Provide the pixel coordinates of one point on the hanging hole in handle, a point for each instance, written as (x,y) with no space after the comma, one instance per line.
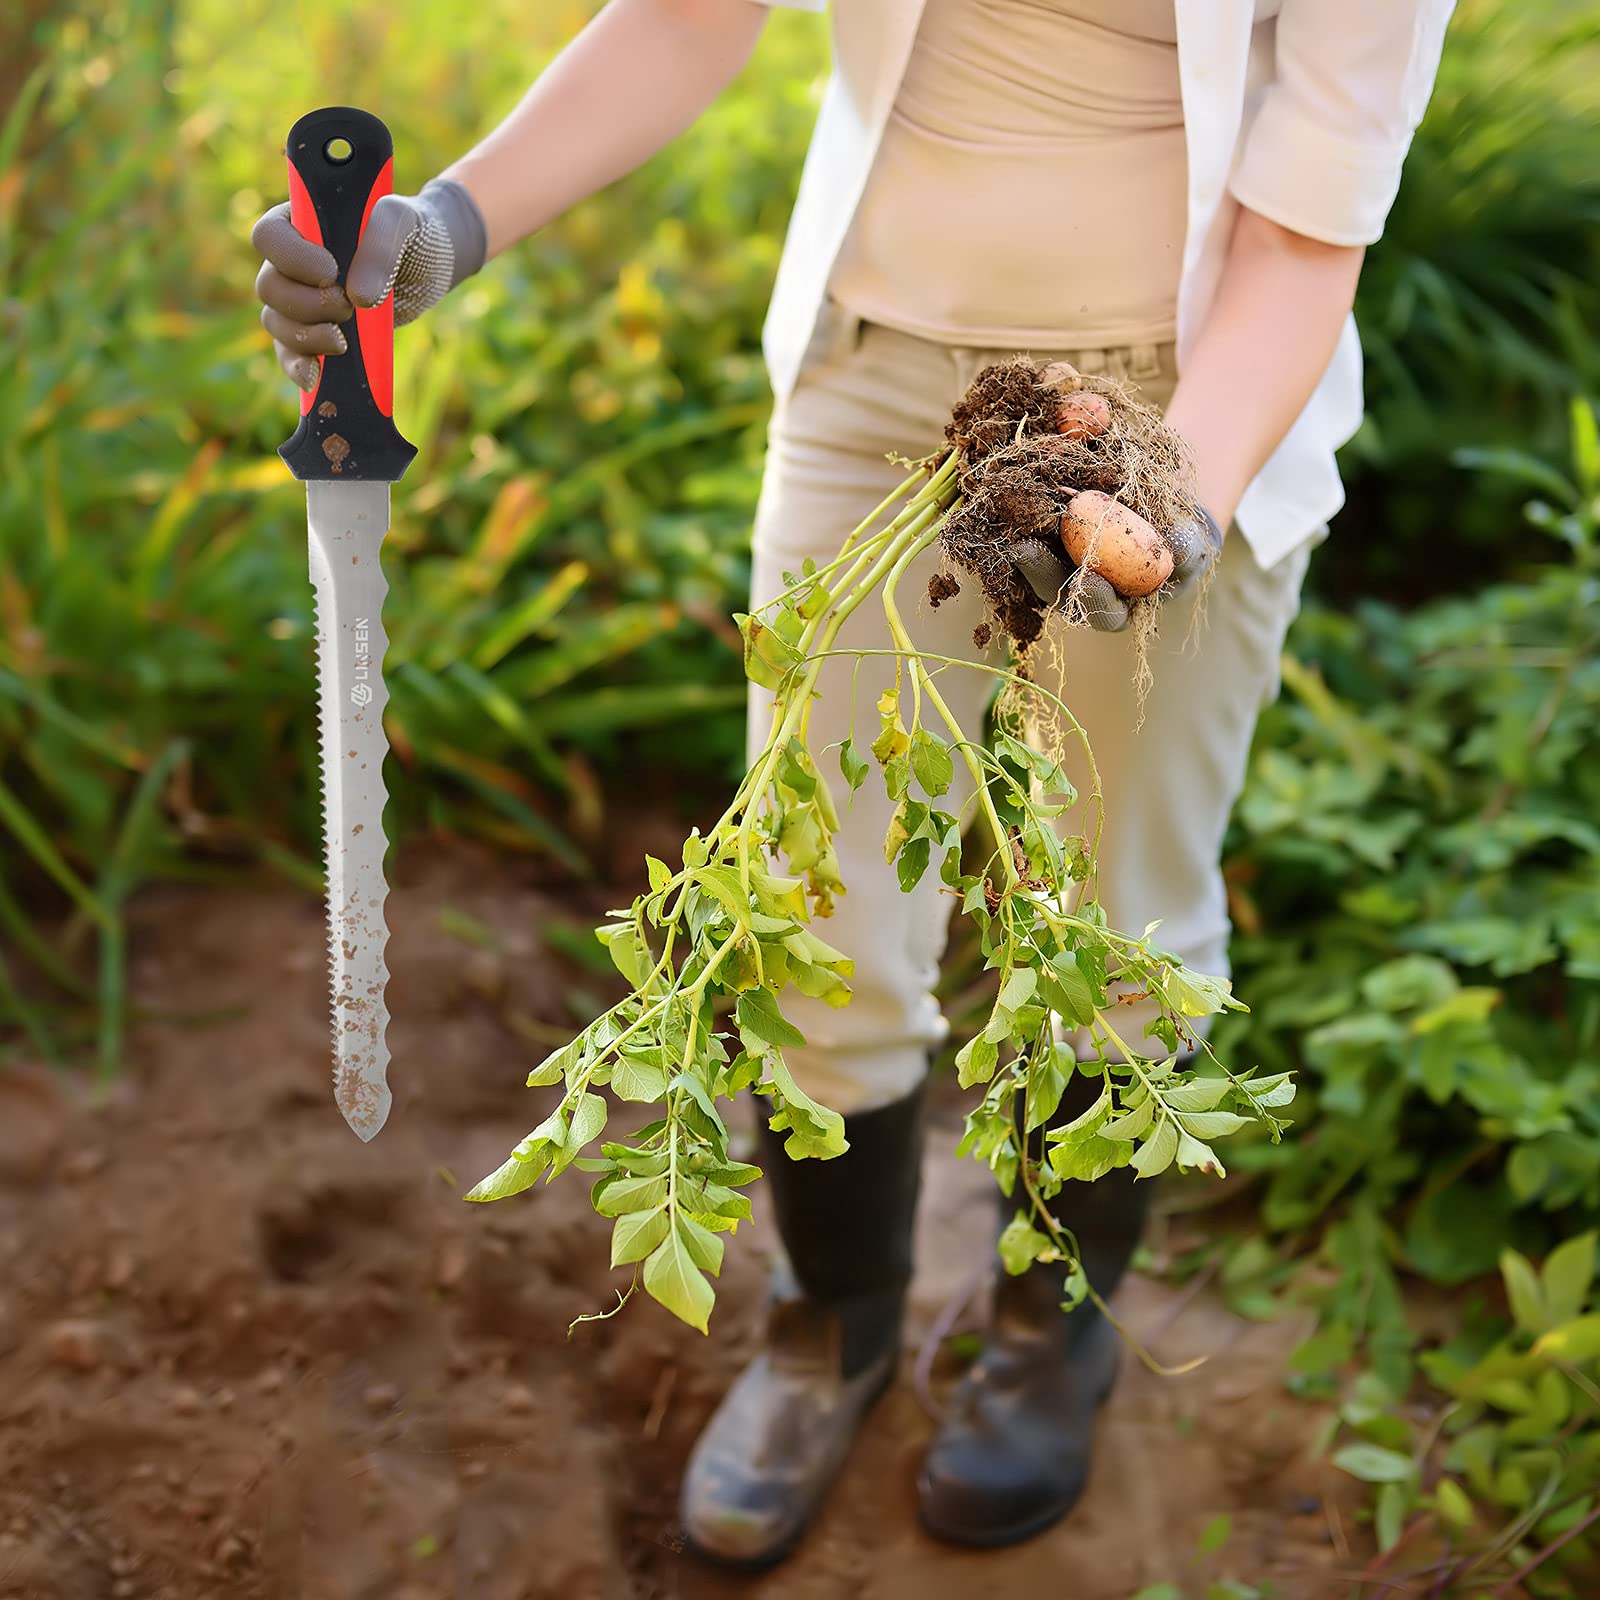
(338,151)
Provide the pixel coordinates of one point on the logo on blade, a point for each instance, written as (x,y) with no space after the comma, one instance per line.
(361,690)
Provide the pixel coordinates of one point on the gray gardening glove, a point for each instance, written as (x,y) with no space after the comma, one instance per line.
(1194,547)
(421,246)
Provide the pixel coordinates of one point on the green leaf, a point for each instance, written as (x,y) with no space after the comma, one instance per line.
(722,884)
(1394,1500)
(623,1196)
(557,1064)
(660,874)
(853,765)
(1021,1244)
(1086,1157)
(911,864)
(1573,1343)
(779,896)
(1568,1276)
(588,1121)
(636,1234)
(1214,1124)
(1156,1153)
(1197,994)
(931,762)
(510,1177)
(762,1024)
(814,1130)
(1214,1535)
(627,950)
(1272,1092)
(672,1278)
(1524,1292)
(1372,1463)
(1201,1095)
(1068,990)
(636,1076)
(794,768)
(1453,1503)
(1036,762)
(1131,1124)
(1046,1084)
(703,1246)
(1586,444)
(976,1061)
(1018,989)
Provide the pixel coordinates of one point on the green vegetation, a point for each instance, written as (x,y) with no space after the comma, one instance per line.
(726,926)
(1416,880)
(565,548)
(1416,866)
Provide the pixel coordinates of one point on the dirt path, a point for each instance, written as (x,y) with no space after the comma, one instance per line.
(243,1355)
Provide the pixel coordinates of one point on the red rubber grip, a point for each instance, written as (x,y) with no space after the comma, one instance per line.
(377,324)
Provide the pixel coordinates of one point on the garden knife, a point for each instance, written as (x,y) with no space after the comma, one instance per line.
(348,451)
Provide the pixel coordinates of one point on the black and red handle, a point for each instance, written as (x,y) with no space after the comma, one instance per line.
(341,162)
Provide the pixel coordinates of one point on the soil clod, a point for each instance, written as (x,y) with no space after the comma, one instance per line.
(1032,438)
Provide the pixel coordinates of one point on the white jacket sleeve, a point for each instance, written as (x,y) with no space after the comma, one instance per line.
(1324,153)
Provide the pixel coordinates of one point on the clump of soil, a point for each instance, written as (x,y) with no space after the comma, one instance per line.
(1019,471)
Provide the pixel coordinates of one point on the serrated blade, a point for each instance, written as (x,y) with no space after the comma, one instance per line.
(346,523)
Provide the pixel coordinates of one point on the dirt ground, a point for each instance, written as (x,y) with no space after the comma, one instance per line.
(244,1355)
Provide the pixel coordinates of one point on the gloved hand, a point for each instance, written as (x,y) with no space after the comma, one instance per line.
(420,246)
(1194,547)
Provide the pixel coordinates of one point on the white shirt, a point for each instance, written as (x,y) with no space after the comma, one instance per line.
(1302,110)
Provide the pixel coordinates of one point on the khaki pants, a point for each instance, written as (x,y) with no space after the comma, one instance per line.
(866,391)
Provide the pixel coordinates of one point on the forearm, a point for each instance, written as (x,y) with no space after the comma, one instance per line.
(1271,332)
(629,84)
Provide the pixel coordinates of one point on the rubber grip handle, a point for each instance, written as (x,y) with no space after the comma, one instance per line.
(341,163)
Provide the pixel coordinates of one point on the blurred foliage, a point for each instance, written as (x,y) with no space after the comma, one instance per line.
(1478,308)
(1415,883)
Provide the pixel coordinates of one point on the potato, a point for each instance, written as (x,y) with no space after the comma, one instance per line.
(1060,375)
(1083,416)
(1128,553)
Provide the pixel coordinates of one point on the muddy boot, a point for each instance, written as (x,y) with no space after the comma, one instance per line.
(775,1444)
(1012,1453)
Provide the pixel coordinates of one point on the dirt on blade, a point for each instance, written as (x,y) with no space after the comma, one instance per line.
(244,1355)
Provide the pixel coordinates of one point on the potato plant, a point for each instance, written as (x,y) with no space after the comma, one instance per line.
(718,938)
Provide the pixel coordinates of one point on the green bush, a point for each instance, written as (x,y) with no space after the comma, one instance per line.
(1479,306)
(1415,876)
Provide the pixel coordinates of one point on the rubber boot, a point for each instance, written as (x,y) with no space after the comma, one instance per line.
(774,1446)
(1012,1453)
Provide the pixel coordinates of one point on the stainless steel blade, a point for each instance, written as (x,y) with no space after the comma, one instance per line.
(347,522)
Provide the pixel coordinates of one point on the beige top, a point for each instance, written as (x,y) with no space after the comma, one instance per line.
(1031,185)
